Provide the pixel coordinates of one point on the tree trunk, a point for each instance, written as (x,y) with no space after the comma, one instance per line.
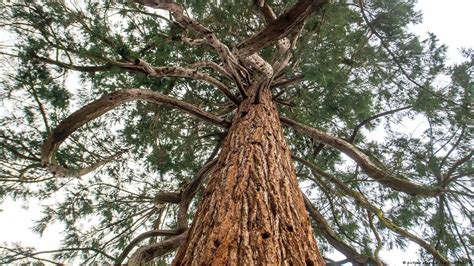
(252,211)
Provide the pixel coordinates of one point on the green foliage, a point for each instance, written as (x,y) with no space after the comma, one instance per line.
(350,75)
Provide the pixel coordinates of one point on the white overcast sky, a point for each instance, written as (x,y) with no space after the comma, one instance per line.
(451,21)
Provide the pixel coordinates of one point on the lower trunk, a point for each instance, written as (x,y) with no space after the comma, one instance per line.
(252,211)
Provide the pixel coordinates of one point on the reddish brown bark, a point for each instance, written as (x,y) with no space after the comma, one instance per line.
(252,211)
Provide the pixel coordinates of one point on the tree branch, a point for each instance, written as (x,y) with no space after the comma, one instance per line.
(458,233)
(377,237)
(212,65)
(456,144)
(369,167)
(141,237)
(167,197)
(332,237)
(288,82)
(57,251)
(144,67)
(280,27)
(366,121)
(360,200)
(147,253)
(282,44)
(90,69)
(230,61)
(449,177)
(109,102)
(60,171)
(394,57)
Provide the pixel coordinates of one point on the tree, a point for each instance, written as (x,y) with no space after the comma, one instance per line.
(130,119)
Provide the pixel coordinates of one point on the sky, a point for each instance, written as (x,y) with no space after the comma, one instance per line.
(451,21)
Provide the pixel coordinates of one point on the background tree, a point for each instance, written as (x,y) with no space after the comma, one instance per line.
(129,174)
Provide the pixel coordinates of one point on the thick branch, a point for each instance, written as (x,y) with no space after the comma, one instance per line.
(167,197)
(360,200)
(332,237)
(142,66)
(109,102)
(270,16)
(140,238)
(147,253)
(280,27)
(369,167)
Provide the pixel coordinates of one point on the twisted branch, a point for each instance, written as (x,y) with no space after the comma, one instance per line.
(147,253)
(231,63)
(369,167)
(107,103)
(140,238)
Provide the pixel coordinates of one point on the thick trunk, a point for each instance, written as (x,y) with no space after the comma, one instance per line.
(252,212)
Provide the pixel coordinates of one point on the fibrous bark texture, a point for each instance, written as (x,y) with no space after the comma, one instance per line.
(252,211)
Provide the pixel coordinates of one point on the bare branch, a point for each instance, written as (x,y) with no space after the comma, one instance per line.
(177,11)
(60,171)
(141,237)
(213,65)
(167,197)
(269,16)
(109,102)
(259,64)
(142,66)
(369,167)
(377,236)
(147,253)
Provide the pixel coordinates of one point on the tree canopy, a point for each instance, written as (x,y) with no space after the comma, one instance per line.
(113,111)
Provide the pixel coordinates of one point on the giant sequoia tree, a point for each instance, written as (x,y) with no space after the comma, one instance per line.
(150,126)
